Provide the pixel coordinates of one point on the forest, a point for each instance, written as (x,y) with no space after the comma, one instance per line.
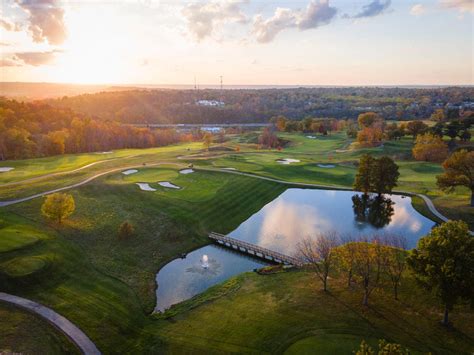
(246,105)
(29,130)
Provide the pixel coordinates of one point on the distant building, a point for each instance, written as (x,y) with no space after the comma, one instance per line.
(213,103)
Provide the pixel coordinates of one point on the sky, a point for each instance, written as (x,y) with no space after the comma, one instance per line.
(248,42)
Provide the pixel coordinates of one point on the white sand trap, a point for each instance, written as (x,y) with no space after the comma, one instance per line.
(6,169)
(130,171)
(327,166)
(186,171)
(168,184)
(311,137)
(145,187)
(104,153)
(287,161)
(228,168)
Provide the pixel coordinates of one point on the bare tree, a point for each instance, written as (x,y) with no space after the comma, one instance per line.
(396,257)
(319,253)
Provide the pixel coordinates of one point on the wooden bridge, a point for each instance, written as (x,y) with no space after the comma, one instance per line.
(254,250)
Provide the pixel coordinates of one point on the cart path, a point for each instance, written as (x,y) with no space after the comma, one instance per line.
(68,328)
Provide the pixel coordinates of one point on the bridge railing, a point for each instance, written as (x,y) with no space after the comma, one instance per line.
(256,249)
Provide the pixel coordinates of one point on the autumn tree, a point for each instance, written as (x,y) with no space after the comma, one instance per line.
(458,171)
(396,260)
(438,115)
(207,140)
(319,254)
(125,230)
(368,119)
(429,147)
(415,128)
(443,262)
(58,206)
(345,255)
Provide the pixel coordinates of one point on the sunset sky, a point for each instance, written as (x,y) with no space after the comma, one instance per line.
(305,42)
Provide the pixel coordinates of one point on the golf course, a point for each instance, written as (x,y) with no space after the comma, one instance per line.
(174,196)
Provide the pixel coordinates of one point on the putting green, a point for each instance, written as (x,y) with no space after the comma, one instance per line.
(24,266)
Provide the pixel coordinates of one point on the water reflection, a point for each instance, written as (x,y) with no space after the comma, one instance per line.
(181,279)
(297,213)
(376,210)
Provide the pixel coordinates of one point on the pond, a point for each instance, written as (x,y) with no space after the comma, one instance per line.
(279,225)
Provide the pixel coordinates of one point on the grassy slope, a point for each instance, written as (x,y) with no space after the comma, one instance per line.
(270,313)
(25,333)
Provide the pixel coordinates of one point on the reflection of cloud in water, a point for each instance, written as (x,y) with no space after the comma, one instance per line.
(403,218)
(285,223)
(212,270)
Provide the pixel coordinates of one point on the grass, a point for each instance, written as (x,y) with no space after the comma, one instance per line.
(286,312)
(107,286)
(24,333)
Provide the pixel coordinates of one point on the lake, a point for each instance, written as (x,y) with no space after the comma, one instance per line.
(280,224)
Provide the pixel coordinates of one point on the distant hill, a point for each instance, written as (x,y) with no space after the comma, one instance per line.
(38,91)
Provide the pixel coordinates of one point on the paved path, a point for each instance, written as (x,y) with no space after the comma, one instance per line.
(74,333)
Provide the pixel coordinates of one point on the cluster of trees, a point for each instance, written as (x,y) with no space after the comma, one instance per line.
(371,130)
(324,126)
(29,130)
(249,105)
(442,262)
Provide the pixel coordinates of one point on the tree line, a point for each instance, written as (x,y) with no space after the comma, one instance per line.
(249,105)
(30,130)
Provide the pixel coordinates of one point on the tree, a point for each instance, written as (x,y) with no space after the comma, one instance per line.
(368,264)
(415,128)
(125,230)
(396,260)
(458,171)
(319,253)
(385,348)
(443,262)
(383,175)
(58,206)
(281,123)
(368,119)
(370,136)
(379,175)
(429,147)
(207,140)
(362,180)
(438,115)
(345,257)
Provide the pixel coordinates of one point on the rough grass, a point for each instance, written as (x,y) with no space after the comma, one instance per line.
(24,333)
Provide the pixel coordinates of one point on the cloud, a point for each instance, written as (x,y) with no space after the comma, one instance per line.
(203,18)
(316,14)
(9,62)
(36,58)
(374,8)
(417,10)
(46,20)
(461,5)
(9,26)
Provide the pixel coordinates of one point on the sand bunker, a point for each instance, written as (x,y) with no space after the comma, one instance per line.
(103,152)
(145,187)
(6,169)
(327,166)
(130,171)
(311,137)
(228,168)
(168,184)
(186,171)
(287,161)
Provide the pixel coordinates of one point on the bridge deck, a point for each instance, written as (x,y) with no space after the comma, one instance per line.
(255,250)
